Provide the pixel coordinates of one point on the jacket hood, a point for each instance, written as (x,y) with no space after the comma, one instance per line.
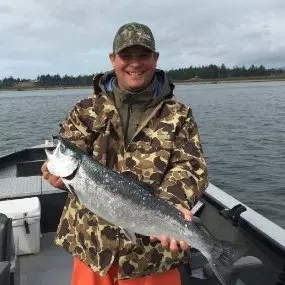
(102,84)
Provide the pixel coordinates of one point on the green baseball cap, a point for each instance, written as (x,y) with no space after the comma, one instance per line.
(133,34)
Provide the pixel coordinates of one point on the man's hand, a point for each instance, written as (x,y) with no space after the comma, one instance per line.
(55,181)
(166,242)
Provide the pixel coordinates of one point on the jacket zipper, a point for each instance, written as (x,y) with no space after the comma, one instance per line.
(130,110)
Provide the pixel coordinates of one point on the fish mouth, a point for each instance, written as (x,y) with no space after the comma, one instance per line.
(72,175)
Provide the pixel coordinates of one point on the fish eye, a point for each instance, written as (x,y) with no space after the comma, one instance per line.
(62,148)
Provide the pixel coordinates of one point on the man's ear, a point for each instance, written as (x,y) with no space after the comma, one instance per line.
(156,55)
(112,58)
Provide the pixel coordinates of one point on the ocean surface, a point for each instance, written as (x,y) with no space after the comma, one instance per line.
(242,127)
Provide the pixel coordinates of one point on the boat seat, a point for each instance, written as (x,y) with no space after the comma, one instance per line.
(5,237)
(8,258)
(5,273)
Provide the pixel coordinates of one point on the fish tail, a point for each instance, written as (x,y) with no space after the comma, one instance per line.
(224,255)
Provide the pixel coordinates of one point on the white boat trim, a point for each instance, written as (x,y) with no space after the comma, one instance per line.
(261,224)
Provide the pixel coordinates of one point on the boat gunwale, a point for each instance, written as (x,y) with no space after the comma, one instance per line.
(262,225)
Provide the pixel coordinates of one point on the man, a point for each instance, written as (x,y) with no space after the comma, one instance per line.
(133,124)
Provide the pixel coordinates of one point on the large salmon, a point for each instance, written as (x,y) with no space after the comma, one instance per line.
(133,207)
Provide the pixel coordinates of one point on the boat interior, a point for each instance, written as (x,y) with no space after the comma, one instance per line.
(219,214)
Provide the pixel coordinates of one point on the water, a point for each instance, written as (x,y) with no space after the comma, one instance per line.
(241,126)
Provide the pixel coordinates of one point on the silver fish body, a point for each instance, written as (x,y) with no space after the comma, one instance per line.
(131,206)
(127,204)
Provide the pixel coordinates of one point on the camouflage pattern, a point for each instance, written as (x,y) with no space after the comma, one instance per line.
(133,34)
(165,152)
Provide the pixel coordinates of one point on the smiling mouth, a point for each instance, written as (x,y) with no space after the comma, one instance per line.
(134,73)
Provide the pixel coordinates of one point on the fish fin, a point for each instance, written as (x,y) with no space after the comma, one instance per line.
(227,254)
(130,235)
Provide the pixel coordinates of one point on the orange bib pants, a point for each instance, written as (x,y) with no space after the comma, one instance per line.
(83,275)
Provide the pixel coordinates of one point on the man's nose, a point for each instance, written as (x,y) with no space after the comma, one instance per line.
(135,60)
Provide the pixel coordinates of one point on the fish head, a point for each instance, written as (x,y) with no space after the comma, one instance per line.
(64,160)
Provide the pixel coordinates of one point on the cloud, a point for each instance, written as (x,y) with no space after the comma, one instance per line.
(75,37)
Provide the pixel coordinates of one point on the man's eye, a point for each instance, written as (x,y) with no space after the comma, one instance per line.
(145,55)
(125,55)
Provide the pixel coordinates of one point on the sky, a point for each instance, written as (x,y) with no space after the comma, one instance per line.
(75,37)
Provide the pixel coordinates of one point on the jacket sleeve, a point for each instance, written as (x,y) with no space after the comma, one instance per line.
(187,176)
(77,126)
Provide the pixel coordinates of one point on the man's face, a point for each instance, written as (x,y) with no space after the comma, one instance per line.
(134,67)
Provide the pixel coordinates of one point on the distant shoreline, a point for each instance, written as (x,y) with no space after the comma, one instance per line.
(46,88)
(247,80)
(177,82)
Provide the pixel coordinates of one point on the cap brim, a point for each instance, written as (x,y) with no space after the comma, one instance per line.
(134,44)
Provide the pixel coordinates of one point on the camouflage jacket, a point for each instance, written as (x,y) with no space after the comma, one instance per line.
(164,152)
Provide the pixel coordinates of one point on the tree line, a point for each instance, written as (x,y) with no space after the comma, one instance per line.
(214,72)
(48,81)
(210,72)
